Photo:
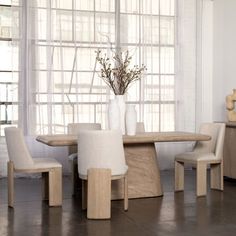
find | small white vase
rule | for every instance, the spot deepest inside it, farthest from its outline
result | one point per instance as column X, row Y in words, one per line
column 113, row 115
column 131, row 120
column 121, row 103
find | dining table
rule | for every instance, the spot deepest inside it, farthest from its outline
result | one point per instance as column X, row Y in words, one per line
column 144, row 178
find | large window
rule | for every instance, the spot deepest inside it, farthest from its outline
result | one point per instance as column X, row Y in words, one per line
column 9, row 74
column 60, row 74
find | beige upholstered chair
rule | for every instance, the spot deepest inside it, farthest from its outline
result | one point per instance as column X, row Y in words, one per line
column 140, row 127
column 22, row 162
column 75, row 128
column 101, row 159
column 204, row 153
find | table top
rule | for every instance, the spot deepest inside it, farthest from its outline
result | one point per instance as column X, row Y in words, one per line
column 147, row 137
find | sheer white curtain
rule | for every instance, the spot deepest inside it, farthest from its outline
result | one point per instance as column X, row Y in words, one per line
column 60, row 83
column 9, row 73
column 63, row 87
column 148, row 30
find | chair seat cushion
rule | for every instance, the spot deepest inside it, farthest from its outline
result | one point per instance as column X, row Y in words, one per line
column 114, row 172
column 73, row 156
column 45, row 163
column 195, row 157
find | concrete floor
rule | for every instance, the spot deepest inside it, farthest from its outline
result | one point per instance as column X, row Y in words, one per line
column 173, row 214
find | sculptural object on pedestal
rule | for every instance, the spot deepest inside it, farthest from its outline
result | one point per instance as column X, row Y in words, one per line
column 230, row 105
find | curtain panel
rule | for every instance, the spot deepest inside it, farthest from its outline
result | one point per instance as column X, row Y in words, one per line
column 59, row 81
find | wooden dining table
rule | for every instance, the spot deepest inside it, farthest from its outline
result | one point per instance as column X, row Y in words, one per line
column 144, row 173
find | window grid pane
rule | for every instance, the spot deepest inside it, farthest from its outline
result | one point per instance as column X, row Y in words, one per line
column 9, row 73
column 66, row 87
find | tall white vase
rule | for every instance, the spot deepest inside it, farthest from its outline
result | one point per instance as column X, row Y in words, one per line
column 131, row 120
column 121, row 103
column 113, row 115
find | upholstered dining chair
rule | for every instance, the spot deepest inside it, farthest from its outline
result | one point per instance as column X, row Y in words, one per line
column 20, row 161
column 101, row 159
column 75, row 128
column 204, row 153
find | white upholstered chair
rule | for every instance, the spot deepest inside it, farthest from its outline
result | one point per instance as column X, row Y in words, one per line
column 75, row 128
column 101, row 159
column 22, row 162
column 204, row 153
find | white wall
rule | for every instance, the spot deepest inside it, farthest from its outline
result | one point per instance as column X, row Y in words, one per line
column 224, row 51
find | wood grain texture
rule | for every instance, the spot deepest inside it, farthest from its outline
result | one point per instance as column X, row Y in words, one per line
column 143, row 174
column 99, row 194
column 201, row 179
column 147, row 137
column 217, row 181
column 55, row 187
column 51, row 183
column 179, row 176
column 230, row 150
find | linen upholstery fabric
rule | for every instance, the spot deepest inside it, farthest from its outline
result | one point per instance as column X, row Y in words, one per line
column 75, row 128
column 17, row 149
column 207, row 150
column 19, row 153
column 101, row 149
column 45, row 163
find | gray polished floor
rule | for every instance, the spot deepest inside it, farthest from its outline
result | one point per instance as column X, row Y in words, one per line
column 173, row 214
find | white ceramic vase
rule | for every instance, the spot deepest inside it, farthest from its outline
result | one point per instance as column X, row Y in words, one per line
column 113, row 115
column 121, row 104
column 131, row 120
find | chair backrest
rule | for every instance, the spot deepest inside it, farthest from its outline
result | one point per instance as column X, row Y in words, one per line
column 101, row 149
column 75, row 128
column 215, row 145
column 140, row 127
column 17, row 149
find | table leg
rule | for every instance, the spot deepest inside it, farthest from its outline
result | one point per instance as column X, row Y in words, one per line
column 143, row 174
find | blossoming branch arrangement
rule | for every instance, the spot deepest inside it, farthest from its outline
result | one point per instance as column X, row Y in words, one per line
column 116, row 72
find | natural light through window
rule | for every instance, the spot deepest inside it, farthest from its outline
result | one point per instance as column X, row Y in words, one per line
column 62, row 84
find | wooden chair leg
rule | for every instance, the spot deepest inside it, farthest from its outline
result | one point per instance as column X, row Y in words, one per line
column 74, row 176
column 201, row 179
column 45, row 186
column 217, row 181
column 84, row 194
column 179, row 176
column 55, row 187
column 10, row 176
column 99, row 194
column 126, row 200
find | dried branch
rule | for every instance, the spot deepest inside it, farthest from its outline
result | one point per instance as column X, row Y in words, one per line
column 120, row 76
